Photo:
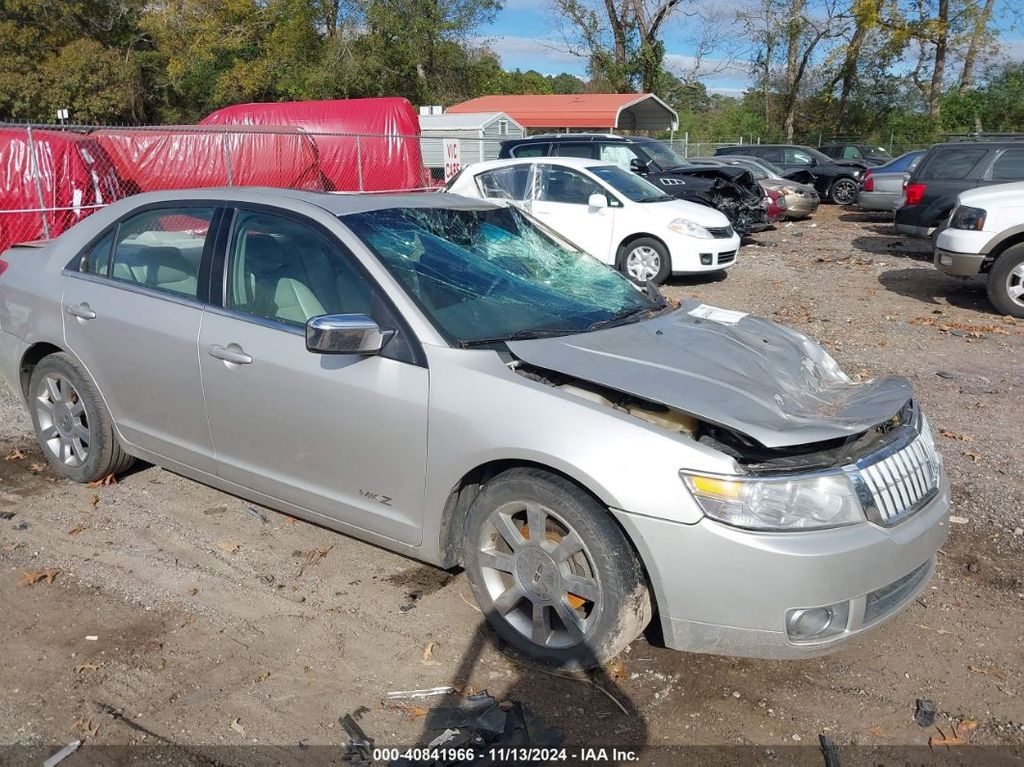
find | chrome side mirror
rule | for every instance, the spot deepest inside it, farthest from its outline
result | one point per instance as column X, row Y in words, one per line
column 345, row 334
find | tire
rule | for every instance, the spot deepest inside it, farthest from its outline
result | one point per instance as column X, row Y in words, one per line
column 843, row 191
column 1006, row 282
column 72, row 424
column 523, row 587
column 645, row 256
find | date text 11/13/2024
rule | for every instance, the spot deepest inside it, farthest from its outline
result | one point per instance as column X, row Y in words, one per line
column 508, row 754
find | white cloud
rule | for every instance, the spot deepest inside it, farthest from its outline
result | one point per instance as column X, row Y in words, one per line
column 545, row 56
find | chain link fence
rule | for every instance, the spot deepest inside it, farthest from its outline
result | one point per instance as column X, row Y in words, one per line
column 53, row 177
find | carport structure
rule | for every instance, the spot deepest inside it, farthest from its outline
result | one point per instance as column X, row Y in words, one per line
column 583, row 111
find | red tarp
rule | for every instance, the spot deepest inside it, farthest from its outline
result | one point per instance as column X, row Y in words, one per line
column 190, row 158
column 73, row 172
column 388, row 154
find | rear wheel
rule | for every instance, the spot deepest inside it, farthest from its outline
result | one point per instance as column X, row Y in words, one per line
column 553, row 573
column 71, row 422
column 645, row 260
column 843, row 191
column 1006, row 282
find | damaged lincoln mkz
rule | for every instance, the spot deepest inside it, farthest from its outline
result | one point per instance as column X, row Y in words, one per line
column 446, row 379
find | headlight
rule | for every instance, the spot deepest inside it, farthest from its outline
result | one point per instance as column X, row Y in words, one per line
column 683, row 226
column 777, row 503
column 965, row 217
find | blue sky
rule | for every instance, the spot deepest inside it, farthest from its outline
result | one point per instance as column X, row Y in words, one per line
column 525, row 36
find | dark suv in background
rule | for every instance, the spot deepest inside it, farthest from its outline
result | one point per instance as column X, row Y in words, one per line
column 732, row 190
column 834, row 180
column 950, row 168
column 869, row 154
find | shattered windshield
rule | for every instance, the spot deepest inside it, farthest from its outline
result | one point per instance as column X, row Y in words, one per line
column 628, row 184
column 484, row 275
column 661, row 154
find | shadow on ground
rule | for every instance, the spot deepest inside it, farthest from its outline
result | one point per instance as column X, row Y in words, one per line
column 935, row 288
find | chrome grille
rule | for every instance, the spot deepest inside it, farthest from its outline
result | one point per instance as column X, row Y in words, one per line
column 903, row 481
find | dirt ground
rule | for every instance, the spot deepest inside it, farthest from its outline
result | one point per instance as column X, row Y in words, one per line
column 180, row 615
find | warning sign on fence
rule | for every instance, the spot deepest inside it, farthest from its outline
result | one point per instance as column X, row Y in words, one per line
column 452, row 158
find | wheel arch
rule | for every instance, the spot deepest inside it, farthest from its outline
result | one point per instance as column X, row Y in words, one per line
column 32, row 357
column 620, row 252
column 1001, row 247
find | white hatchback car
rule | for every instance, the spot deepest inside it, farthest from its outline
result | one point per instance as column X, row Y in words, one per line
column 610, row 213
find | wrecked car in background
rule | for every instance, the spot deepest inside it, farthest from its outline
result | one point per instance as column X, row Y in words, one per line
column 593, row 453
column 732, row 191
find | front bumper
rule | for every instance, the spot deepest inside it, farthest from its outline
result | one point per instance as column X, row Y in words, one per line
column 726, row 591
column 958, row 264
column 691, row 255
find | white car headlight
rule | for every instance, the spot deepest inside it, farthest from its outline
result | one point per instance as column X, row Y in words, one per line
column 691, row 228
column 777, row 503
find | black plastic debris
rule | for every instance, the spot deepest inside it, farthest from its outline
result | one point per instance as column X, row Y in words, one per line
column 359, row 749
column 828, row 750
column 924, row 713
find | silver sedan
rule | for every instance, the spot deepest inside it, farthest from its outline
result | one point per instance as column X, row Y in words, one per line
column 447, row 379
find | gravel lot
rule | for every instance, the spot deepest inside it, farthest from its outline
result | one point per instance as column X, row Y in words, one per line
column 182, row 615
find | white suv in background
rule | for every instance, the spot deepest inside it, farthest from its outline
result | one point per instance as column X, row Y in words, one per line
column 985, row 235
column 613, row 214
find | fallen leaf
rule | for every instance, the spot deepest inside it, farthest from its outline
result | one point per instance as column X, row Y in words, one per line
column 263, row 676
column 37, row 468
column 413, row 712
column 290, row 520
column 998, row 673
column 15, row 455
column 86, row 727
column 110, row 479
column 616, row 670
column 161, row 664
column 968, row 724
column 32, row 577
column 77, row 529
column 215, row 510
column 954, row 435
column 95, row 500
column 230, row 548
column 428, row 654
column 90, row 666
column 976, row 457
column 193, row 591
column 312, row 557
column 930, row 628
column 878, row 731
column 238, row 727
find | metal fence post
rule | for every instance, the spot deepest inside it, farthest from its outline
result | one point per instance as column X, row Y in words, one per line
column 227, row 158
column 686, row 145
column 39, row 182
column 359, row 160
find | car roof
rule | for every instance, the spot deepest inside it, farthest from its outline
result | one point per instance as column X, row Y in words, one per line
column 574, row 136
column 336, row 203
column 572, row 162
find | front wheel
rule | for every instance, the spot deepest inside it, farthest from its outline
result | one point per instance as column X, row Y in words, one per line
column 553, row 573
column 645, row 260
column 843, row 191
column 1006, row 282
column 71, row 422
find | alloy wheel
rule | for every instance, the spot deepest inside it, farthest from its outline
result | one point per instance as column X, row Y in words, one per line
column 539, row 575
column 1015, row 285
column 643, row 263
column 63, row 422
column 844, row 191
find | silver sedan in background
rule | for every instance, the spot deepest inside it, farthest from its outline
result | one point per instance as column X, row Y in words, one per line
column 444, row 378
column 881, row 188
column 802, row 200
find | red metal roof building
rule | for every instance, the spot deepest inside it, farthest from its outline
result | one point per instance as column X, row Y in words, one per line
column 591, row 111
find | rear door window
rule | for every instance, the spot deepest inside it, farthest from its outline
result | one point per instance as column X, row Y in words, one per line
column 798, row 157
column 953, row 162
column 162, row 248
column 565, row 185
column 576, row 149
column 1009, row 166
column 508, row 183
column 531, row 150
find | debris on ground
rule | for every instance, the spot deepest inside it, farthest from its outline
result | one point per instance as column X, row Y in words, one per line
column 924, row 712
column 257, row 514
column 236, row 725
column 77, row 529
column 90, row 666
column 414, row 694
column 32, row 577
column 829, row 751
column 953, row 739
column 428, row 655
column 215, row 510
column 955, row 436
column 230, row 548
column 959, row 520
column 15, row 455
column 63, row 754
column 86, row 727
column 7, row 514
column 359, row 749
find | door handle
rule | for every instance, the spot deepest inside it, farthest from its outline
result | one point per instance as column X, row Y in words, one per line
column 82, row 311
column 235, row 356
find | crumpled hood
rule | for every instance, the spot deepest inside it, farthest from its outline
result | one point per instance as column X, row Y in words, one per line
column 734, row 370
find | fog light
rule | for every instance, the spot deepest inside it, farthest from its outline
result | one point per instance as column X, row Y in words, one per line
column 705, row 259
column 946, row 260
column 810, row 623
